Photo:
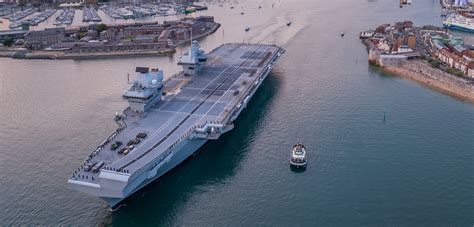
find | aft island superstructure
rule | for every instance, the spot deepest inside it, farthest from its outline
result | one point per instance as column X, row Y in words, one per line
column 167, row 121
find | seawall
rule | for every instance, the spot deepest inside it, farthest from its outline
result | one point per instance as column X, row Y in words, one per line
column 423, row 73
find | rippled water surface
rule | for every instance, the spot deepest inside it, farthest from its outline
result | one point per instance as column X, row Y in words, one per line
column 414, row 169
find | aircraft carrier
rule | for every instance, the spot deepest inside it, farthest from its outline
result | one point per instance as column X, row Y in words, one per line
column 167, row 121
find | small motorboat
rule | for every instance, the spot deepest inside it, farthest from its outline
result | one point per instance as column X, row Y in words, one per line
column 288, row 23
column 247, row 29
column 298, row 157
column 342, row 34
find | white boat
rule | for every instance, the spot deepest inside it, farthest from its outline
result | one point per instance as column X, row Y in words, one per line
column 298, row 156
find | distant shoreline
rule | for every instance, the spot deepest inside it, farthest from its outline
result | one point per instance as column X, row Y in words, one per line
column 62, row 55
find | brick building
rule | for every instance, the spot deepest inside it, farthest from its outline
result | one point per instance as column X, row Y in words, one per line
column 45, row 38
column 143, row 30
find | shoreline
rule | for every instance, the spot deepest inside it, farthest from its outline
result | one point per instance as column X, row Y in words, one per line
column 430, row 82
column 62, row 55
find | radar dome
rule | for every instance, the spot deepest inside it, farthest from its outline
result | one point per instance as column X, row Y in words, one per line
column 154, row 81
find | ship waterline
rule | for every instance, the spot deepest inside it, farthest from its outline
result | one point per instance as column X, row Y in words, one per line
column 168, row 121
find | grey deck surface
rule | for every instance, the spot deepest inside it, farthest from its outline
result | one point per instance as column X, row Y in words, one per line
column 208, row 96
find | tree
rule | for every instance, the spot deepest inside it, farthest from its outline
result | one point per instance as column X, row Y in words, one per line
column 455, row 72
column 8, row 42
column 101, row 27
column 434, row 63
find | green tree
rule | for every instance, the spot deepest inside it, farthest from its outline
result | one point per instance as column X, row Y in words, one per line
column 434, row 63
column 101, row 27
column 455, row 72
column 8, row 42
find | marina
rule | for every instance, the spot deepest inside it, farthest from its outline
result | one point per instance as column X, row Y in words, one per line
column 6, row 11
column 34, row 20
column 111, row 13
column 140, row 11
column 20, row 14
column 17, row 18
column 66, row 17
column 89, row 14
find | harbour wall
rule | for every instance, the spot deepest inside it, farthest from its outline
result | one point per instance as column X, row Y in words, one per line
column 422, row 72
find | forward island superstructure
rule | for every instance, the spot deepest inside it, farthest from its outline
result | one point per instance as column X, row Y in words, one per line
column 167, row 121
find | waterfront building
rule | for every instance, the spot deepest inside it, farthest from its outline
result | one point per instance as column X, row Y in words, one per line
column 92, row 33
column 470, row 73
column 182, row 33
column 205, row 19
column 468, row 55
column 411, row 40
column 62, row 46
column 12, row 34
column 108, row 34
column 143, row 30
column 459, row 50
column 47, row 37
column 384, row 45
column 404, row 49
column 145, row 39
column 454, row 61
column 100, row 47
column 455, row 56
column 382, row 29
column 449, row 39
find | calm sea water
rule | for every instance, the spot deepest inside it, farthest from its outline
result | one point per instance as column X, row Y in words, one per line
column 414, row 169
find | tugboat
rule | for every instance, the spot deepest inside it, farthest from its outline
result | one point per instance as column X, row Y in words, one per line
column 298, row 156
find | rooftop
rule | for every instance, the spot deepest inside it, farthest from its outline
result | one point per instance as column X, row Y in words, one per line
column 12, row 32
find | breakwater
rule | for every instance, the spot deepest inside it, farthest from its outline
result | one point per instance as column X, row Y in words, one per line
column 422, row 72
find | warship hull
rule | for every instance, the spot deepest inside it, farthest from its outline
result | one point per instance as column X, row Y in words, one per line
column 188, row 148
